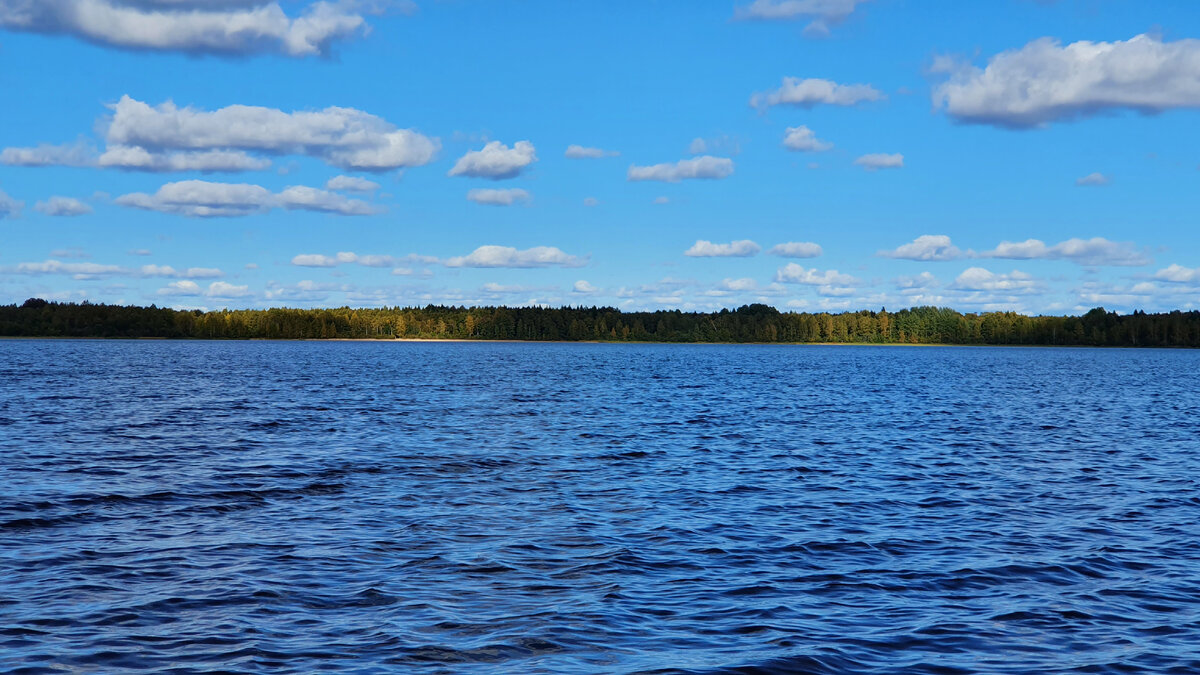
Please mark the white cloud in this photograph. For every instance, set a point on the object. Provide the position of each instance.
(9, 207)
(77, 270)
(662, 200)
(189, 273)
(180, 288)
(196, 198)
(698, 146)
(300, 197)
(1096, 178)
(351, 184)
(233, 28)
(498, 197)
(591, 201)
(221, 289)
(880, 160)
(796, 274)
(796, 249)
(349, 257)
(77, 154)
(1045, 82)
(135, 158)
(1094, 251)
(507, 256)
(926, 247)
(1178, 274)
(495, 161)
(918, 282)
(979, 279)
(803, 139)
(738, 285)
(736, 249)
(342, 137)
(812, 91)
(704, 167)
(822, 13)
(584, 287)
(583, 152)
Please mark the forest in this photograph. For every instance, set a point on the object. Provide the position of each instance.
(750, 323)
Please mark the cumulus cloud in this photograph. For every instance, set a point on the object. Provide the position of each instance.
(180, 288)
(584, 152)
(796, 274)
(203, 199)
(783, 10)
(349, 257)
(584, 287)
(917, 282)
(221, 289)
(1096, 178)
(880, 160)
(926, 247)
(343, 137)
(796, 249)
(166, 137)
(735, 249)
(78, 270)
(507, 256)
(351, 184)
(809, 92)
(738, 285)
(62, 206)
(9, 207)
(1178, 274)
(803, 139)
(980, 279)
(1044, 81)
(132, 158)
(705, 167)
(591, 201)
(75, 154)
(1094, 252)
(189, 273)
(495, 161)
(498, 197)
(224, 27)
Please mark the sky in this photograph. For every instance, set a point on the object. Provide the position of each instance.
(1037, 156)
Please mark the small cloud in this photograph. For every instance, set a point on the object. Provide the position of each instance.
(584, 287)
(492, 197)
(351, 184)
(496, 161)
(796, 249)
(583, 152)
(591, 201)
(662, 200)
(507, 256)
(139, 251)
(809, 92)
(880, 160)
(1096, 178)
(926, 247)
(803, 139)
(62, 206)
(736, 249)
(9, 207)
(705, 167)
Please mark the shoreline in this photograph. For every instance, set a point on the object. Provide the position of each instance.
(16, 338)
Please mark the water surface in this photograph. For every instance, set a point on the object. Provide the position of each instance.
(528, 508)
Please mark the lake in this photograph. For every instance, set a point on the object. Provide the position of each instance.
(597, 508)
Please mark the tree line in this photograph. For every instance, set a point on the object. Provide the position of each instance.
(750, 323)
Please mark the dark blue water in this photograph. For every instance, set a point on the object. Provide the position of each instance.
(529, 508)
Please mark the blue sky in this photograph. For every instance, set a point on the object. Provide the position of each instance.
(929, 144)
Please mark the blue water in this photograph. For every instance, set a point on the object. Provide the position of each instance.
(534, 508)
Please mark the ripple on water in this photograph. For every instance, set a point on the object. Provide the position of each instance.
(525, 508)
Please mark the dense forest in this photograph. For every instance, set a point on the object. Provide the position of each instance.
(750, 323)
